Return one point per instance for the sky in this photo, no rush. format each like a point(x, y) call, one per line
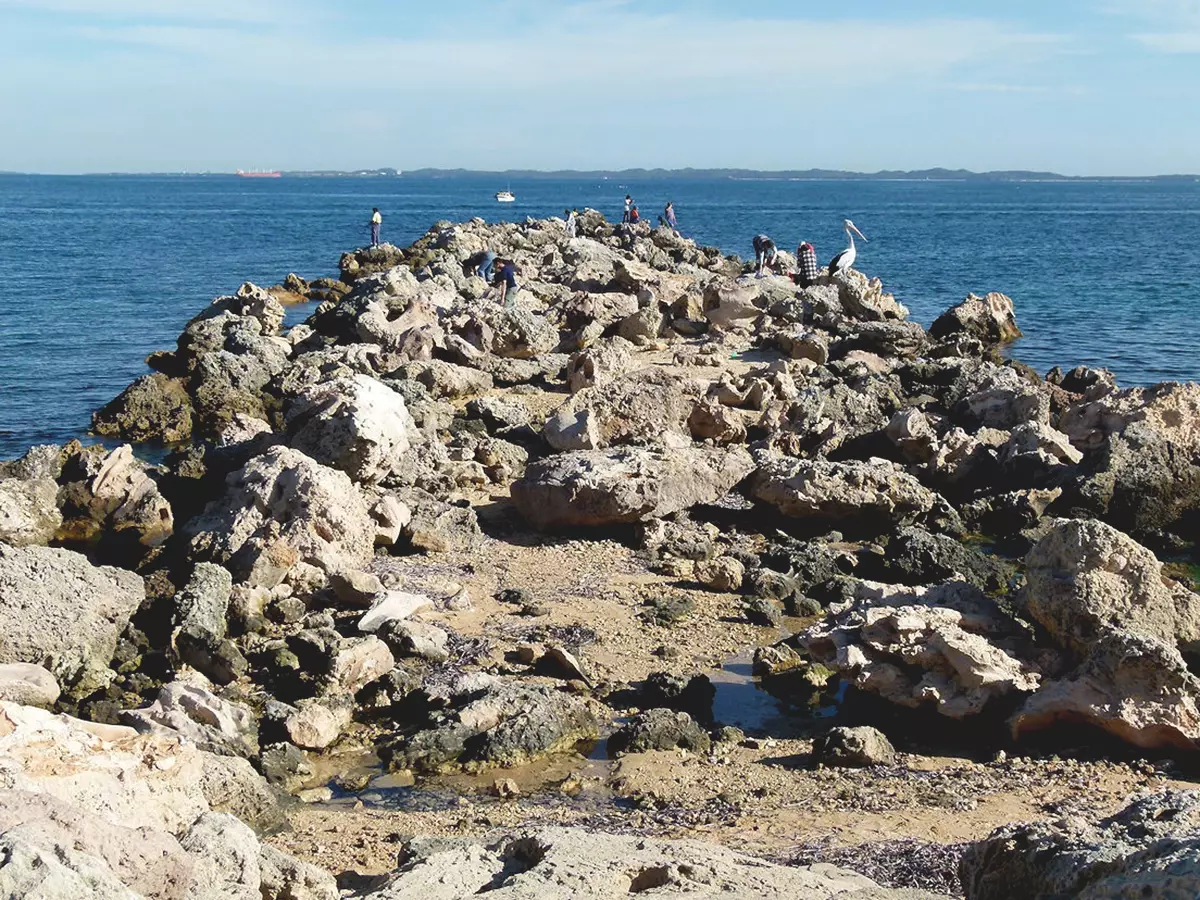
point(1082, 87)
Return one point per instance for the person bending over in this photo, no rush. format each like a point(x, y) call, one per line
point(764, 253)
point(486, 262)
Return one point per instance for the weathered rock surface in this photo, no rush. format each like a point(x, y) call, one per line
point(1149, 849)
point(989, 319)
point(659, 729)
point(281, 509)
point(60, 611)
point(609, 487)
point(558, 862)
point(156, 407)
point(854, 748)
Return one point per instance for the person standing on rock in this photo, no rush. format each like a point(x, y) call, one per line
point(508, 282)
point(376, 224)
point(572, 224)
point(628, 209)
point(669, 212)
point(807, 271)
point(764, 253)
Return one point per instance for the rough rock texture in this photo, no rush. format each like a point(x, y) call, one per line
point(355, 424)
point(875, 495)
point(204, 601)
point(111, 498)
point(557, 863)
point(195, 713)
point(60, 611)
point(29, 513)
point(497, 724)
point(1103, 597)
point(281, 509)
point(659, 729)
point(156, 407)
point(28, 685)
point(854, 748)
point(608, 487)
point(1149, 849)
point(947, 646)
point(989, 319)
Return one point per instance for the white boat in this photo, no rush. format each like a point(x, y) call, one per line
point(505, 197)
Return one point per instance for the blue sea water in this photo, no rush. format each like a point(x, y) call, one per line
point(99, 271)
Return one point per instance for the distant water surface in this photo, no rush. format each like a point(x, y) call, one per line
point(99, 271)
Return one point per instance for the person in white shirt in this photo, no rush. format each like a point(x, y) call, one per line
point(376, 223)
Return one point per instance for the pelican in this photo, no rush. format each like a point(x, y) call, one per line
point(845, 259)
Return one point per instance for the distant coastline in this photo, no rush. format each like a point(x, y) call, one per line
point(687, 174)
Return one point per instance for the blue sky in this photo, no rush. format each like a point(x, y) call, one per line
point(1077, 86)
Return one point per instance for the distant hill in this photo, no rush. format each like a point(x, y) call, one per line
point(936, 174)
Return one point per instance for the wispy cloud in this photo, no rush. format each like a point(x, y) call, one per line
point(1173, 25)
point(234, 11)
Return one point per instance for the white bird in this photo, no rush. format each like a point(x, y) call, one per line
point(845, 259)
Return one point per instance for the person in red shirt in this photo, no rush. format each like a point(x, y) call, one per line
point(634, 216)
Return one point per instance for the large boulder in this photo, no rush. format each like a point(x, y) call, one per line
point(29, 511)
point(1104, 599)
point(609, 487)
point(111, 498)
point(864, 298)
point(280, 509)
point(1144, 444)
point(60, 611)
point(534, 864)
point(156, 407)
point(874, 496)
point(624, 412)
point(947, 646)
point(1149, 849)
point(356, 424)
point(989, 319)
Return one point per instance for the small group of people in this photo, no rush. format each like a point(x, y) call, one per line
point(632, 215)
point(766, 254)
point(493, 269)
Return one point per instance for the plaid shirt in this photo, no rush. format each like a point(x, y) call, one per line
point(808, 270)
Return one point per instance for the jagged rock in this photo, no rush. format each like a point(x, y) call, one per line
point(317, 724)
point(947, 646)
point(58, 610)
point(802, 344)
point(1143, 444)
point(1004, 399)
point(356, 663)
point(990, 319)
point(730, 306)
point(281, 509)
point(390, 607)
point(607, 487)
point(419, 639)
point(721, 574)
point(499, 724)
point(28, 685)
point(1103, 596)
point(192, 712)
point(621, 412)
point(446, 380)
point(512, 332)
point(356, 424)
point(854, 748)
point(287, 878)
point(29, 513)
point(535, 864)
point(1037, 453)
point(391, 516)
point(439, 527)
point(600, 365)
point(659, 729)
point(355, 588)
point(156, 407)
point(874, 496)
point(914, 556)
point(864, 298)
point(1148, 849)
point(110, 497)
point(217, 658)
point(500, 414)
point(912, 433)
point(204, 601)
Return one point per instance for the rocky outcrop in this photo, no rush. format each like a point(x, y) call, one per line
point(989, 319)
point(610, 487)
point(874, 496)
point(355, 424)
point(283, 508)
point(60, 611)
point(550, 862)
point(945, 646)
point(1148, 849)
point(110, 499)
point(156, 407)
point(1104, 598)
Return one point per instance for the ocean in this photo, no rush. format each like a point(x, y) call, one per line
point(98, 271)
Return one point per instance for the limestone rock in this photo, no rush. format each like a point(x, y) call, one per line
point(659, 729)
point(535, 864)
point(191, 711)
point(112, 497)
point(875, 495)
point(316, 724)
point(946, 645)
point(721, 574)
point(29, 512)
point(989, 319)
point(854, 748)
point(280, 509)
point(28, 685)
point(156, 407)
point(204, 601)
point(622, 412)
point(607, 487)
point(390, 607)
point(356, 424)
point(58, 610)
point(356, 663)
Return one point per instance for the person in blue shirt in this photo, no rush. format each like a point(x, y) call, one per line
point(508, 282)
